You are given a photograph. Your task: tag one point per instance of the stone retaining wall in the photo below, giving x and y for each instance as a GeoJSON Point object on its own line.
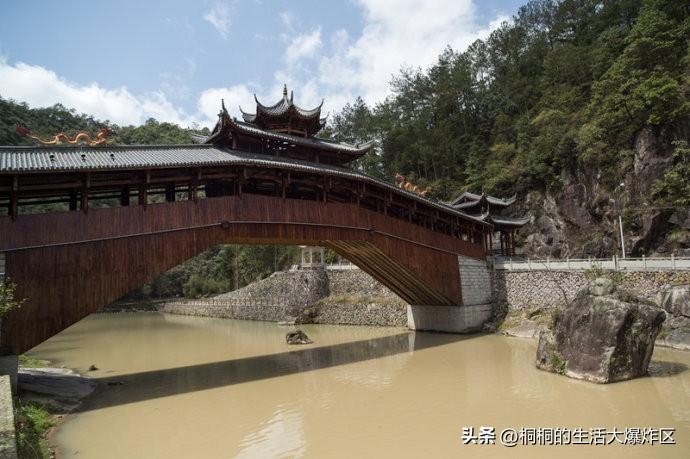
{"type": "Point", "coordinates": [547, 289]}
{"type": "Point", "coordinates": [382, 315]}
{"type": "Point", "coordinates": [242, 312]}
{"type": "Point", "coordinates": [328, 297]}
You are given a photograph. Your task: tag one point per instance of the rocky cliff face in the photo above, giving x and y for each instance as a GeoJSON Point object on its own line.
{"type": "Point", "coordinates": [579, 220]}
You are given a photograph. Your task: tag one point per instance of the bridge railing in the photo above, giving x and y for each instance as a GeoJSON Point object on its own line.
{"type": "Point", "coordinates": [580, 264]}
{"type": "Point", "coordinates": [342, 267]}
{"type": "Point", "coordinates": [225, 302]}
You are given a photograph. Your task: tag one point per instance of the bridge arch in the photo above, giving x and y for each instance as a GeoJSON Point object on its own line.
{"type": "Point", "coordinates": [68, 265]}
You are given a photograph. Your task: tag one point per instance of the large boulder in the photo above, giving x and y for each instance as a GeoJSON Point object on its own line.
{"type": "Point", "coordinates": [601, 336]}
{"type": "Point", "coordinates": [675, 299]}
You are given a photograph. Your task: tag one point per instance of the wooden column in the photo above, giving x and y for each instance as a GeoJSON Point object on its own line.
{"type": "Point", "coordinates": [14, 198]}
{"type": "Point", "coordinates": [73, 200]}
{"type": "Point", "coordinates": [170, 193]}
{"type": "Point", "coordinates": [124, 197]}
{"type": "Point", "coordinates": [85, 193]}
{"type": "Point", "coordinates": [144, 190]}
{"type": "Point", "coordinates": [193, 190]}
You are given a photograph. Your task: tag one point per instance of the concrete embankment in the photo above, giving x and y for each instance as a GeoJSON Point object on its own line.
{"type": "Point", "coordinates": [349, 297]}
{"type": "Point", "coordinates": [8, 441]}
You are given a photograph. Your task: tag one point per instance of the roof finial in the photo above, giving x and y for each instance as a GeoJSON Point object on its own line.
{"type": "Point", "coordinates": [285, 90]}
{"type": "Point", "coordinates": [222, 104]}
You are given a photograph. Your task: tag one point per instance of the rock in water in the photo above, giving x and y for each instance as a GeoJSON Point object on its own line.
{"type": "Point", "coordinates": [297, 337]}
{"type": "Point", "coordinates": [602, 336]}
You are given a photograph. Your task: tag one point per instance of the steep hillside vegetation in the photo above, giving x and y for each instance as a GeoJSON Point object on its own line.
{"type": "Point", "coordinates": [561, 105]}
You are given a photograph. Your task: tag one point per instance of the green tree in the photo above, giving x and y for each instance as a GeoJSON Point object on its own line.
{"type": "Point", "coordinates": [673, 189]}
{"type": "Point", "coordinates": [8, 299]}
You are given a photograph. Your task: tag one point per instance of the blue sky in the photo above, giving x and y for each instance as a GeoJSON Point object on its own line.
{"type": "Point", "coordinates": [174, 60]}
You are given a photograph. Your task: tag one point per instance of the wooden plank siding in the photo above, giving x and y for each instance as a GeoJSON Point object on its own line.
{"type": "Point", "coordinates": [68, 265]}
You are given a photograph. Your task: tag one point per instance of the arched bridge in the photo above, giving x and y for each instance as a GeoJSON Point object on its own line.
{"type": "Point", "coordinates": [120, 216]}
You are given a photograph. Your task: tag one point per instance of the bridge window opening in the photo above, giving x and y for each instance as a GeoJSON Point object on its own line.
{"type": "Point", "coordinates": [115, 189]}
{"type": "Point", "coordinates": [220, 188]}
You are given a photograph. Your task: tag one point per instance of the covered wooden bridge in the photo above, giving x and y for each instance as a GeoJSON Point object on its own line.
{"type": "Point", "coordinates": [83, 226]}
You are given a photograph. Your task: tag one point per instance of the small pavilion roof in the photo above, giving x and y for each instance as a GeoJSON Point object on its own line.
{"type": "Point", "coordinates": [499, 221]}
{"type": "Point", "coordinates": [467, 200]}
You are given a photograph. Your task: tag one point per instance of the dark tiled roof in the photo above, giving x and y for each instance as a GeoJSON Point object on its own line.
{"type": "Point", "coordinates": [467, 199]}
{"type": "Point", "coordinates": [510, 221]}
{"type": "Point", "coordinates": [501, 221]}
{"type": "Point", "coordinates": [281, 108]}
{"type": "Point", "coordinates": [313, 142]}
{"type": "Point", "coordinates": [56, 158]}
{"type": "Point", "coordinates": [70, 159]}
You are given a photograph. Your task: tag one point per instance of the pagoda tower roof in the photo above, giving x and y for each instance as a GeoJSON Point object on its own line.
{"type": "Point", "coordinates": [286, 116]}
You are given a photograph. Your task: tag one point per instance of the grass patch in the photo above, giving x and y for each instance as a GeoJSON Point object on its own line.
{"type": "Point", "coordinates": [557, 363]}
{"type": "Point", "coordinates": [27, 361]}
{"type": "Point", "coordinates": [663, 333]}
{"type": "Point", "coordinates": [33, 421]}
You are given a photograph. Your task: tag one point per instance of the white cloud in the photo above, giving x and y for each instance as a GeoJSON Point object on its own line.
{"type": "Point", "coordinates": [304, 46]}
{"type": "Point", "coordinates": [39, 87]}
{"type": "Point", "coordinates": [235, 96]}
{"type": "Point", "coordinates": [287, 18]}
{"type": "Point", "coordinates": [219, 17]}
{"type": "Point", "coordinates": [396, 33]}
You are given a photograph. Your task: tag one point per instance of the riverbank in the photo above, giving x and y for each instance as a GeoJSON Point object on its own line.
{"type": "Point", "coordinates": [46, 395]}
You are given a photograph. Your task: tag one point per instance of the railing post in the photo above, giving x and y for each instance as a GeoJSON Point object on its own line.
{"type": "Point", "coordinates": [615, 263]}
{"type": "Point", "coordinates": [529, 264]}
{"type": "Point", "coordinates": [673, 261]}
{"type": "Point", "coordinates": [510, 261]}
{"type": "Point", "coordinates": [567, 262]}
{"type": "Point", "coordinates": [644, 262]}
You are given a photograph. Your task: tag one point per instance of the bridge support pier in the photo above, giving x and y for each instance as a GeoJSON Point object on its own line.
{"type": "Point", "coordinates": [449, 319]}
{"type": "Point", "coordinates": [476, 308]}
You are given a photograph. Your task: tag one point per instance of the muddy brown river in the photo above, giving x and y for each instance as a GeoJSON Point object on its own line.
{"type": "Point", "coordinates": [187, 387]}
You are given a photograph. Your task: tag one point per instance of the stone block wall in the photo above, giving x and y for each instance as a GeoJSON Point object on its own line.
{"type": "Point", "coordinates": [270, 313]}
{"type": "Point", "coordinates": [475, 281]}
{"type": "Point", "coordinates": [329, 297]}
{"type": "Point", "coordinates": [547, 289]}
{"type": "Point", "coordinates": [357, 282]}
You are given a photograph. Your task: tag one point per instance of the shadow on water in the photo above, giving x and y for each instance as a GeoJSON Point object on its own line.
{"type": "Point", "coordinates": [660, 368]}
{"type": "Point", "coordinates": [135, 387]}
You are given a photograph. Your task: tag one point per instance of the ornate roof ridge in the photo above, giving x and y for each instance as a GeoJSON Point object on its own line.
{"type": "Point", "coordinates": [282, 107]}
{"type": "Point", "coordinates": [225, 119]}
